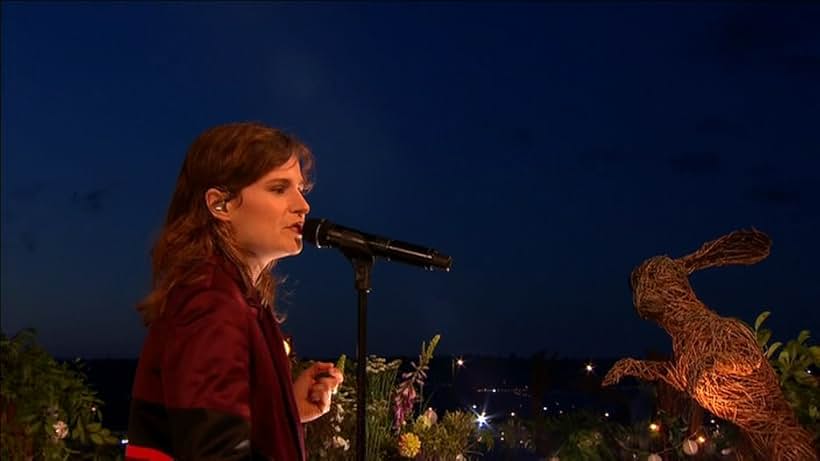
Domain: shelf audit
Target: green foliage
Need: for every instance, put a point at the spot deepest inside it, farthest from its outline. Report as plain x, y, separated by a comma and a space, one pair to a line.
575, 436
792, 365
456, 434
47, 409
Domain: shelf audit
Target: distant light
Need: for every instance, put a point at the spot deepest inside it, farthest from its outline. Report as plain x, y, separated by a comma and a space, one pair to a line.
589, 367
606, 414
475, 406
460, 362
654, 427
701, 439
494, 391
512, 413
560, 412
808, 370
545, 408
481, 419
93, 409
713, 421
124, 441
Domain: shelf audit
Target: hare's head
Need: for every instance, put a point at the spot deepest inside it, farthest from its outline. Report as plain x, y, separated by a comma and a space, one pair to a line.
660, 285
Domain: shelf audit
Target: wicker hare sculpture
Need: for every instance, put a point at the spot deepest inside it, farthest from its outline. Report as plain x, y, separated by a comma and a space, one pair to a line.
717, 360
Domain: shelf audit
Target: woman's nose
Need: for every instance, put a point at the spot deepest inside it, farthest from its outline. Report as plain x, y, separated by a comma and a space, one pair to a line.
301, 205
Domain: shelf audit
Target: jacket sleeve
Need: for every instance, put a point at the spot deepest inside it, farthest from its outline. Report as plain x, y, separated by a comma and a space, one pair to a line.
206, 379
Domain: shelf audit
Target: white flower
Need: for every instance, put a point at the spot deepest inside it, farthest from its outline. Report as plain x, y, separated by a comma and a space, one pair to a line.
431, 415
60, 429
428, 418
341, 442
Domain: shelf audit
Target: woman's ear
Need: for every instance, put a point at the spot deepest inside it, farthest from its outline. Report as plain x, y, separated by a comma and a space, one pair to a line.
217, 203
740, 247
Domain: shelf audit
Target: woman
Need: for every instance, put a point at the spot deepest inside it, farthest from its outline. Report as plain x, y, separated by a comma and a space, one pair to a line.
214, 380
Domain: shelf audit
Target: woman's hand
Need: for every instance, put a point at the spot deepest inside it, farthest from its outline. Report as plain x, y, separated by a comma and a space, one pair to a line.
313, 390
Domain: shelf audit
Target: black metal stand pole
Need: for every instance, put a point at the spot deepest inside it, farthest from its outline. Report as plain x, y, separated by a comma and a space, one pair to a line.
362, 266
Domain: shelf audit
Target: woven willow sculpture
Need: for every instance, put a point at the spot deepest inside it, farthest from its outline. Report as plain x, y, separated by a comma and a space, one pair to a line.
717, 360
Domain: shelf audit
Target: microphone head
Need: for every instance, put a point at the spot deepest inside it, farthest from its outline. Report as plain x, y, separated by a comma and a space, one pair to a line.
311, 230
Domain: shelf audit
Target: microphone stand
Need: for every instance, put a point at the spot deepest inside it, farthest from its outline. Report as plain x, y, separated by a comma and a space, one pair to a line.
362, 268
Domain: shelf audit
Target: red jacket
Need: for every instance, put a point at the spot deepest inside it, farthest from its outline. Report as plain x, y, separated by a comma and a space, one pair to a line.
213, 380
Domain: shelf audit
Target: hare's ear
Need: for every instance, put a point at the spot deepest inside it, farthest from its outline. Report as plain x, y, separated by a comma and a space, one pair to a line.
740, 247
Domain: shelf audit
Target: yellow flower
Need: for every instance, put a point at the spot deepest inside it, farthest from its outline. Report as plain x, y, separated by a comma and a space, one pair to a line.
409, 445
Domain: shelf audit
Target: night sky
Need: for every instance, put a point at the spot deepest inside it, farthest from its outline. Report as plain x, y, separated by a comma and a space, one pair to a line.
548, 148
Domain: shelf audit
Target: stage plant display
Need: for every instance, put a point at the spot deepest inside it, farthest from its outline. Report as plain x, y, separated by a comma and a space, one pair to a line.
399, 423
47, 408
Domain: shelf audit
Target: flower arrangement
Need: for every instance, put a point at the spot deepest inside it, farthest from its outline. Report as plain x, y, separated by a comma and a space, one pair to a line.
397, 427
47, 410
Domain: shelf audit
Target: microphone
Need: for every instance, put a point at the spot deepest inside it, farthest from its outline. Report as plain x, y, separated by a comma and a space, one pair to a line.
323, 233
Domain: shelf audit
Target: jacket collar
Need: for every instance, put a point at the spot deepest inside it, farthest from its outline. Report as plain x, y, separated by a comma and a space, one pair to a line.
251, 294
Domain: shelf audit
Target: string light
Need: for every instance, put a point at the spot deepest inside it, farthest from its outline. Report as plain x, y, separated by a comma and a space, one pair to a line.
654, 427
701, 439
589, 367
460, 362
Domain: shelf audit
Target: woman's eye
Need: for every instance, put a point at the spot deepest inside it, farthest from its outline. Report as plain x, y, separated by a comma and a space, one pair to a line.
278, 190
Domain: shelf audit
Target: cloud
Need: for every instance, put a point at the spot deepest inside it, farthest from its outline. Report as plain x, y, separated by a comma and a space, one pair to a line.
770, 38
747, 31
695, 163
93, 201
776, 193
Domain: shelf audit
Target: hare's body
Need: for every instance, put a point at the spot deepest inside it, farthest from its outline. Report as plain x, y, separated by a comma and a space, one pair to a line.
717, 360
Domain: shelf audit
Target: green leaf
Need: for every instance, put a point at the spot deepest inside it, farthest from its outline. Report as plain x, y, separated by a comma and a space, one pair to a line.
97, 439
793, 348
761, 318
803, 336
94, 427
783, 358
772, 349
815, 353
763, 337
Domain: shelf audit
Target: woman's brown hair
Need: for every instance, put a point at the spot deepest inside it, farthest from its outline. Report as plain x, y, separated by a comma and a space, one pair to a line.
229, 158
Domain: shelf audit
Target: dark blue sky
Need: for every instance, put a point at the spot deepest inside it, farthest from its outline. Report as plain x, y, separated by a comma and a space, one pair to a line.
548, 148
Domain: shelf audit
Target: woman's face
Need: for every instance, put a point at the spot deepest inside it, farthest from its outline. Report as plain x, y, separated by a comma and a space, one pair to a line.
267, 221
